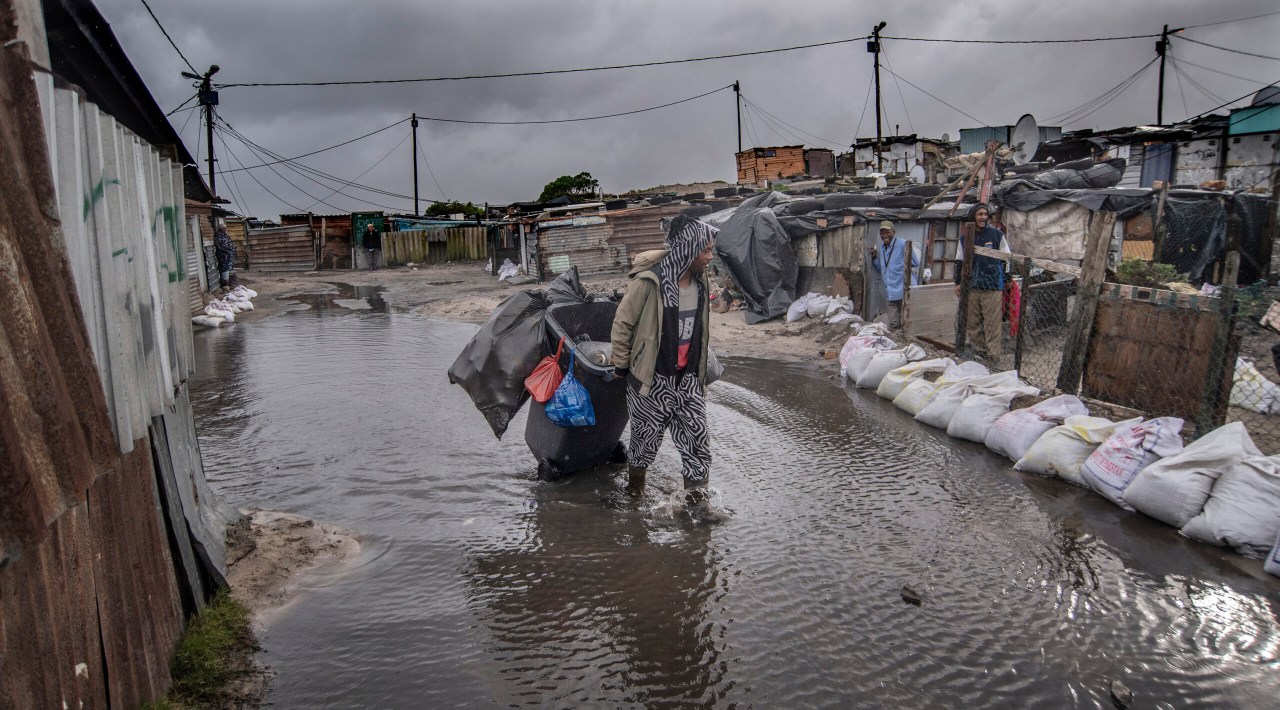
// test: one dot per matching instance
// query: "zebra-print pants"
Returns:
(678, 405)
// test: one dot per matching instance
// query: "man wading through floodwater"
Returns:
(660, 344)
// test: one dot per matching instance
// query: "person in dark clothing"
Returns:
(224, 252)
(986, 285)
(373, 245)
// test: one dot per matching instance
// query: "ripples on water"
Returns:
(481, 585)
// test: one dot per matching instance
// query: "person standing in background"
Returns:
(983, 323)
(890, 262)
(224, 252)
(373, 245)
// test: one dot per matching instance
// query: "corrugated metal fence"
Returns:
(434, 246)
(101, 468)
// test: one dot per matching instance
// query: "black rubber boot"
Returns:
(635, 481)
(698, 501)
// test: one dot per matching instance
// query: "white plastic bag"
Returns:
(1243, 510)
(895, 380)
(871, 344)
(964, 370)
(1057, 409)
(799, 308)
(507, 270)
(884, 361)
(1111, 467)
(1062, 451)
(1253, 391)
(245, 290)
(1173, 490)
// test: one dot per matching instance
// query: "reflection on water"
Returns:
(482, 585)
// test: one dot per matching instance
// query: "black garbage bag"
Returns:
(493, 365)
(756, 249)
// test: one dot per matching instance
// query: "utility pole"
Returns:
(208, 99)
(415, 164)
(874, 48)
(1162, 48)
(737, 104)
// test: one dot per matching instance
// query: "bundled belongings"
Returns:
(493, 365)
(1111, 468)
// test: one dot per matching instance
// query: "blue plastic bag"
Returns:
(571, 404)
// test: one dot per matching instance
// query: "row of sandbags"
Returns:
(829, 309)
(224, 310)
(1220, 489)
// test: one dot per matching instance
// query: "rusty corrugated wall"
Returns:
(582, 241)
(95, 349)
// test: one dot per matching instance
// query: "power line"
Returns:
(935, 98)
(1224, 104)
(1182, 93)
(755, 141)
(184, 103)
(1191, 80)
(1227, 49)
(1215, 71)
(166, 36)
(1019, 41)
(236, 192)
(550, 71)
(315, 152)
(1224, 22)
(575, 120)
(1115, 92)
(862, 115)
(431, 172)
(1091, 102)
(371, 167)
(899, 86)
(255, 179)
(285, 179)
(757, 107)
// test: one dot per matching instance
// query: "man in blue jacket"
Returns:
(986, 286)
(890, 262)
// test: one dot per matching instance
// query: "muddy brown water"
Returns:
(480, 585)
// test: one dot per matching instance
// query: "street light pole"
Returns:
(874, 48)
(208, 99)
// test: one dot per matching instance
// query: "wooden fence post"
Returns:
(1024, 293)
(1093, 271)
(966, 270)
(906, 284)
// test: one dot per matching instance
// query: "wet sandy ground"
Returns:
(476, 584)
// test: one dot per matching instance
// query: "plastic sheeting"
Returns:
(1053, 231)
(493, 365)
(756, 249)
(1195, 225)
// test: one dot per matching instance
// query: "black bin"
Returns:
(564, 450)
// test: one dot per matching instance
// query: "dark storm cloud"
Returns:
(821, 91)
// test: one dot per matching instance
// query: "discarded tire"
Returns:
(615, 205)
(659, 200)
(924, 190)
(842, 200)
(725, 191)
(799, 207)
(694, 196)
(697, 210)
(908, 201)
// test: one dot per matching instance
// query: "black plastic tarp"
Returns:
(1125, 202)
(1196, 224)
(756, 248)
(493, 365)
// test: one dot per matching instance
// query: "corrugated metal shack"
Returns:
(434, 244)
(108, 533)
(333, 237)
(289, 248)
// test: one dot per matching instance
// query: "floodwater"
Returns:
(480, 585)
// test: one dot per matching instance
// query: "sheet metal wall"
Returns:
(434, 246)
(95, 346)
(291, 248)
(640, 228)
(583, 242)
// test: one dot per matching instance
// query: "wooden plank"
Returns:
(1097, 242)
(1045, 264)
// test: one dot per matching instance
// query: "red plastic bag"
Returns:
(545, 378)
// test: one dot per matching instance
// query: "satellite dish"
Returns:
(1025, 141)
(1269, 95)
(946, 138)
(918, 175)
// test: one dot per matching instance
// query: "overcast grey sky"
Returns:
(821, 92)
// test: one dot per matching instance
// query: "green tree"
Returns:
(444, 209)
(575, 187)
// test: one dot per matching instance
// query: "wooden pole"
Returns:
(906, 282)
(1093, 271)
(1157, 231)
(1024, 293)
(966, 271)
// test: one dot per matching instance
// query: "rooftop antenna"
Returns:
(1025, 140)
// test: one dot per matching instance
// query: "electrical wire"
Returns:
(1224, 22)
(1091, 102)
(184, 103)
(1178, 71)
(935, 98)
(751, 134)
(865, 102)
(901, 98)
(1215, 71)
(551, 71)
(1073, 118)
(1226, 103)
(1226, 49)
(255, 179)
(575, 120)
(337, 145)
(166, 36)
(1177, 74)
(285, 179)
(371, 167)
(236, 192)
(757, 107)
(765, 122)
(302, 171)
(184, 124)
(431, 172)
(1019, 41)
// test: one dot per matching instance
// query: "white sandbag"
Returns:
(817, 306)
(1110, 469)
(874, 329)
(976, 415)
(1013, 433)
(212, 309)
(799, 308)
(1173, 490)
(963, 371)
(1243, 510)
(1057, 409)
(860, 343)
(245, 290)
(842, 317)
(939, 412)
(1253, 391)
(838, 305)
(507, 270)
(884, 361)
(1272, 565)
(895, 380)
(245, 305)
(1062, 451)
(208, 321)
(916, 396)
